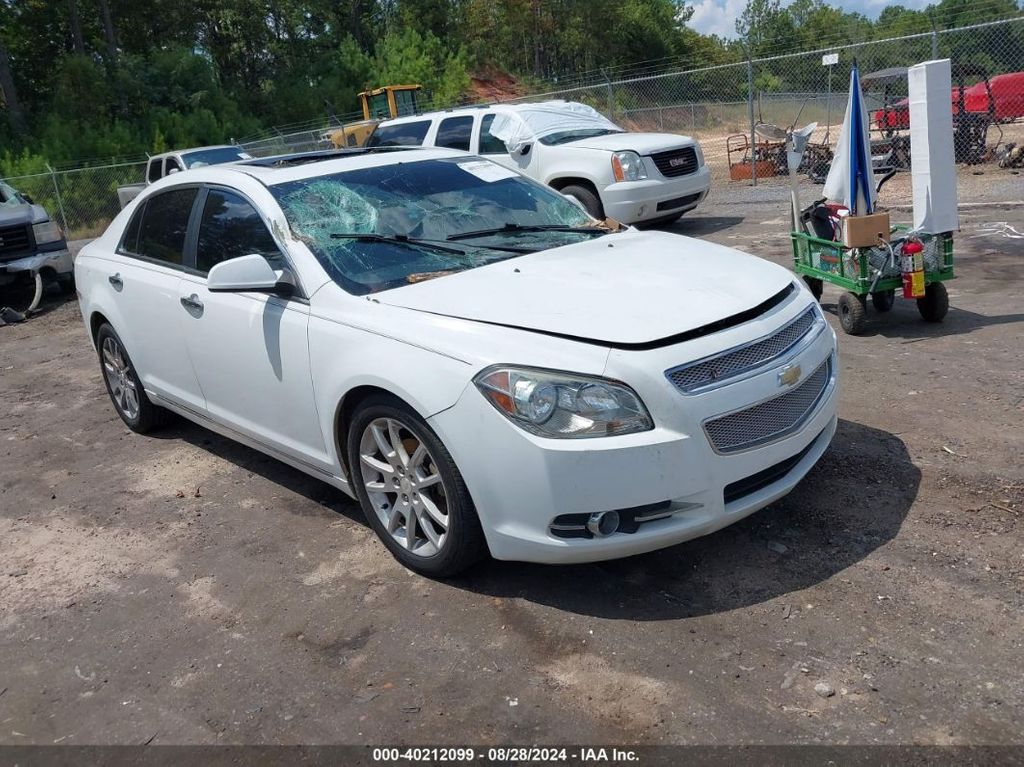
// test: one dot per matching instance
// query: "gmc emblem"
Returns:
(675, 162)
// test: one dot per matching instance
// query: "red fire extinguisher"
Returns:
(912, 267)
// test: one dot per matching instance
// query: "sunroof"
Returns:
(303, 158)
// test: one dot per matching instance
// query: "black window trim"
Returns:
(141, 211)
(192, 242)
(452, 118)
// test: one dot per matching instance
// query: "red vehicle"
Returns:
(1007, 94)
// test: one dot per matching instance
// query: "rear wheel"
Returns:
(124, 387)
(935, 303)
(852, 313)
(587, 199)
(883, 300)
(816, 286)
(411, 491)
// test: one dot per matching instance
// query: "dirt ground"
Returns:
(181, 588)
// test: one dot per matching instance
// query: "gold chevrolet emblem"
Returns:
(789, 375)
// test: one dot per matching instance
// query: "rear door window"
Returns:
(400, 134)
(454, 132)
(488, 143)
(165, 226)
(231, 227)
(155, 170)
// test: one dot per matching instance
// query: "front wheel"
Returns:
(586, 198)
(411, 491)
(852, 313)
(935, 303)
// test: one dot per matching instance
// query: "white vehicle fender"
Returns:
(345, 359)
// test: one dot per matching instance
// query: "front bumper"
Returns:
(520, 482)
(633, 202)
(60, 261)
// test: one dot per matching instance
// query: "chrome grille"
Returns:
(771, 419)
(15, 240)
(717, 370)
(676, 162)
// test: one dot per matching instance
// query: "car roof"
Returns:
(294, 167)
(471, 110)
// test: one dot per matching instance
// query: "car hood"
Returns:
(626, 289)
(12, 215)
(641, 143)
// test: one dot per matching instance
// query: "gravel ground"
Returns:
(180, 588)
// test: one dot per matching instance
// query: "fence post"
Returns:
(935, 44)
(750, 110)
(60, 201)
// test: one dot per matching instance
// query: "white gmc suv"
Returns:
(635, 178)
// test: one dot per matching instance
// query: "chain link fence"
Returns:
(727, 107)
(83, 200)
(732, 108)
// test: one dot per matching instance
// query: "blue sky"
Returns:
(719, 16)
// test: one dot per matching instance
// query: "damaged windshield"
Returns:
(378, 228)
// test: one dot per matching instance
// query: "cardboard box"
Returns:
(864, 231)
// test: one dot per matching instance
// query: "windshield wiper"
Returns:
(396, 239)
(511, 228)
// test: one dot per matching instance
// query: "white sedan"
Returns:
(463, 350)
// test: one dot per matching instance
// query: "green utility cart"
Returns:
(873, 271)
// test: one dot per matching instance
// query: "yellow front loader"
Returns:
(378, 104)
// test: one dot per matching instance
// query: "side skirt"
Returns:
(226, 431)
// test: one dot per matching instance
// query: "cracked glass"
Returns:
(391, 225)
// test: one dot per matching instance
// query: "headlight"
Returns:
(700, 154)
(47, 231)
(564, 405)
(628, 166)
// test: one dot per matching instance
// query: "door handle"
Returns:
(192, 302)
(116, 281)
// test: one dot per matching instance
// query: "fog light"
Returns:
(603, 523)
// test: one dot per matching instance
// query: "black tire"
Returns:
(589, 199)
(852, 313)
(883, 300)
(816, 286)
(464, 544)
(935, 303)
(148, 416)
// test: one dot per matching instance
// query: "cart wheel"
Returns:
(816, 286)
(935, 304)
(852, 313)
(883, 300)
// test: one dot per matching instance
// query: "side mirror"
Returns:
(249, 273)
(521, 150)
(28, 198)
(172, 170)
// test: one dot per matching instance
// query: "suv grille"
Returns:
(771, 419)
(15, 240)
(676, 162)
(718, 370)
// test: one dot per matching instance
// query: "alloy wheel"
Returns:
(120, 379)
(404, 486)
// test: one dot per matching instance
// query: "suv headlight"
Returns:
(553, 404)
(46, 232)
(628, 166)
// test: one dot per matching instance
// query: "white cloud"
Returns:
(718, 17)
